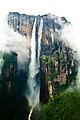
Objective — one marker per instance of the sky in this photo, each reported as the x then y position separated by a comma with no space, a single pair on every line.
68,8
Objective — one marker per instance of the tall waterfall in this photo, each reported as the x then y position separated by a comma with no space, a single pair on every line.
34,66
39,39
32,71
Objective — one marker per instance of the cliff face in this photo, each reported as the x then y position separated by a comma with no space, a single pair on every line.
8,72
57,64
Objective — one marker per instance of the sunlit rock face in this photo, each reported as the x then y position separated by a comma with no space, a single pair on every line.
57,63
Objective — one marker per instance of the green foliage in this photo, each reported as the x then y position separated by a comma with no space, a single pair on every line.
49,76
66,106
59,55
44,57
47,59
56,53
49,62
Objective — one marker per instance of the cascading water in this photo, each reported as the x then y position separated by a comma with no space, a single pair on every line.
39,39
29,118
34,66
32,70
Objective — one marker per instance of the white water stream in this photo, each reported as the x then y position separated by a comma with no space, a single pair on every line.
34,66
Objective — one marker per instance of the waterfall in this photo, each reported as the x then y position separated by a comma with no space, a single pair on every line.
32,97
34,66
39,39
52,35
30,113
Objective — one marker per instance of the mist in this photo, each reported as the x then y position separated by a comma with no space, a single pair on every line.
71,37
13,41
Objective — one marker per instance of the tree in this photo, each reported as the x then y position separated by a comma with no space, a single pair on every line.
66,106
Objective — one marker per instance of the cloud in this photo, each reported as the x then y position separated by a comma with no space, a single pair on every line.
71,35
13,41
